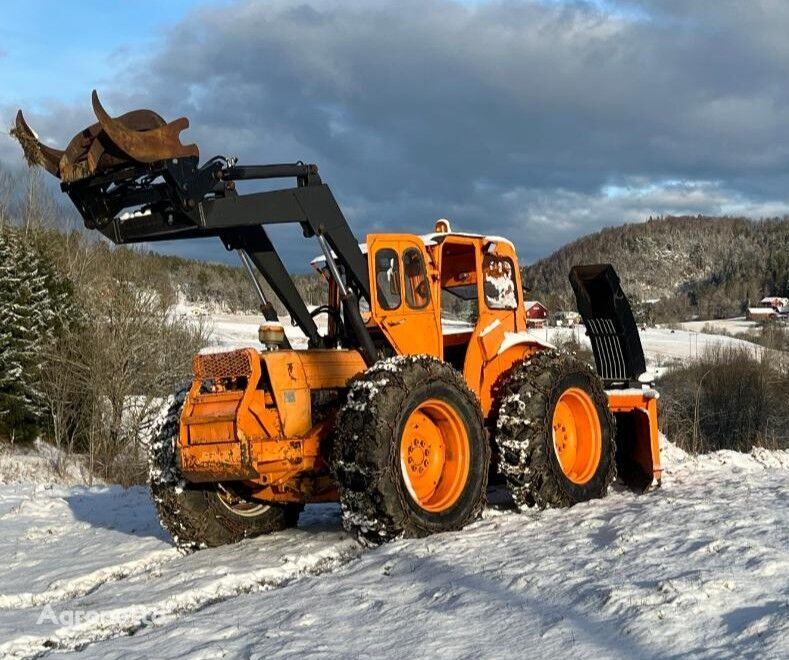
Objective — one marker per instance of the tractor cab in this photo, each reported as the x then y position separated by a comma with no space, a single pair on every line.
455,296
433,293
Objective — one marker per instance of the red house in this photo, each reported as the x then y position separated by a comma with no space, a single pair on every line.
761,313
536,313
776,302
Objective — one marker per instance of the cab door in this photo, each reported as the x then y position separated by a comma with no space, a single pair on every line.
403,304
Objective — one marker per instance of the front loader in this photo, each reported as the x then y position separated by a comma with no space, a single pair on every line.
422,381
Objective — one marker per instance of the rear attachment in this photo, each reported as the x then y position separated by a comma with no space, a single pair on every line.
609,324
619,358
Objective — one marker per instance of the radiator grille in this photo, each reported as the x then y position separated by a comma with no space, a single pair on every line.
223,365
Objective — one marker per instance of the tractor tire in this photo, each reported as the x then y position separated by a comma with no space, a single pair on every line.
555,435
411,455
204,515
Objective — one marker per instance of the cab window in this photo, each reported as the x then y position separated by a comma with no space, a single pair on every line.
499,282
387,278
417,290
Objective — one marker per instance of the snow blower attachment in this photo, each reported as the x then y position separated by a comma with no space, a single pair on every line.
620,362
421,374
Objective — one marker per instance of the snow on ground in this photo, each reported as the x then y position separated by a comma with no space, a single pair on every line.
662,346
231,331
732,326
41,463
699,568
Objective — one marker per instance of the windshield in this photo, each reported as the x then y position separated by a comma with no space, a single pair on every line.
460,303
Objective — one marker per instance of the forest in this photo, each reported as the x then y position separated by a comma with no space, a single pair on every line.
680,267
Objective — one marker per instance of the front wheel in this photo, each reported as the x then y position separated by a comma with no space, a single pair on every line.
411,456
555,433
205,515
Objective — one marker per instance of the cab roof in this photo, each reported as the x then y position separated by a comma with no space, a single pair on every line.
429,240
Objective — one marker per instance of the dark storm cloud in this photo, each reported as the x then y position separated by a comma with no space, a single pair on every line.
539,120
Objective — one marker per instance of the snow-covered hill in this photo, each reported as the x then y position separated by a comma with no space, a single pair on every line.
720,262
699,567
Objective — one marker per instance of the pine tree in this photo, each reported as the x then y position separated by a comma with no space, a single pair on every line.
32,302
11,350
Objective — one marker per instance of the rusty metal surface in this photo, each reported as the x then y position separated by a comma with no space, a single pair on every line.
223,365
145,145
36,152
139,136
92,150
218,462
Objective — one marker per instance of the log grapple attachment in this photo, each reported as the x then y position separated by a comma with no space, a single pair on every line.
112,144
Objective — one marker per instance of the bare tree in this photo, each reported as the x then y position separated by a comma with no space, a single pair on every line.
132,354
38,204
62,371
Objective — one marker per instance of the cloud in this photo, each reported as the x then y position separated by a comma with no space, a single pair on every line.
539,120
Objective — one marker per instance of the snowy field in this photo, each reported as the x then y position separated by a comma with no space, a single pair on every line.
699,568
696,568
662,346
733,326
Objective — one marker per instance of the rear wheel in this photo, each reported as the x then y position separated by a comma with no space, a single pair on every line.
411,457
205,515
555,433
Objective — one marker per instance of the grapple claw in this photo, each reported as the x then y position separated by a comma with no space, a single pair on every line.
109,145
145,145
36,152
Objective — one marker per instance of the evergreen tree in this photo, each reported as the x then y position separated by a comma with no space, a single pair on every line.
32,303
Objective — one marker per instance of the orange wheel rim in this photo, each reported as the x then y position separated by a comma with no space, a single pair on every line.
435,455
577,437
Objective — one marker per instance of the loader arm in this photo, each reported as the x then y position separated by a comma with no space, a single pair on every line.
131,179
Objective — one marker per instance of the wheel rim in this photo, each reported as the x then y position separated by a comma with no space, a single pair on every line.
239,505
577,435
435,455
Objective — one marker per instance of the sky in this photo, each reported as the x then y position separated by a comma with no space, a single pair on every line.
539,120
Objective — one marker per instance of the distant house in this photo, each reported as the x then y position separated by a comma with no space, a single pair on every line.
536,313
776,302
567,319
761,313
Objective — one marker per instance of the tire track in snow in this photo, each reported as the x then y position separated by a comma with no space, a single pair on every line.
128,619
82,585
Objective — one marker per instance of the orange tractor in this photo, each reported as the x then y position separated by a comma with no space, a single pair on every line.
422,382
